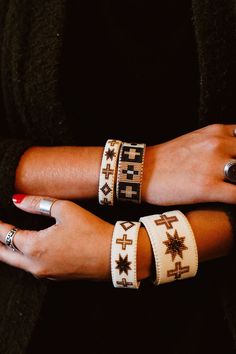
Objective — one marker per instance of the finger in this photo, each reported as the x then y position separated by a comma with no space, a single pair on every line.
230,129
22,239
228,147
220,146
15,259
39,205
225,193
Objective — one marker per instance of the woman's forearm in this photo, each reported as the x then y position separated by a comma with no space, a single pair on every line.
67,172
213,234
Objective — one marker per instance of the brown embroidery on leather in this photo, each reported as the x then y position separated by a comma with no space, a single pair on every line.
106,189
175,245
167,221
127,225
124,241
178,271
113,142
123,264
124,282
110,153
105,201
107,171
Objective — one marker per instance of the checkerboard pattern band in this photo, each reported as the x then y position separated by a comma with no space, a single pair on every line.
173,244
108,172
124,253
130,172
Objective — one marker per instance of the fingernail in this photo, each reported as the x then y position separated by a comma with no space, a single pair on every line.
17,198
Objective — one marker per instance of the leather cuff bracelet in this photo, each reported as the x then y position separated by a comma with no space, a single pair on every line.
130,172
173,245
124,253
108,172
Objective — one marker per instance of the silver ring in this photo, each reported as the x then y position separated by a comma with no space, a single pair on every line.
234,132
9,240
45,206
230,171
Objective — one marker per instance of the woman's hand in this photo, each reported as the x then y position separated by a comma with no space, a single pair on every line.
189,169
76,246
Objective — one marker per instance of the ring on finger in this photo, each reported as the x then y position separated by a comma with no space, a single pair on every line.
9,240
45,206
230,171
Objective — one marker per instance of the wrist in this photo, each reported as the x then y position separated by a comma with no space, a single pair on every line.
149,163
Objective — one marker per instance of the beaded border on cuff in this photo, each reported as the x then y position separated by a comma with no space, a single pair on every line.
108,172
124,254
173,244
130,172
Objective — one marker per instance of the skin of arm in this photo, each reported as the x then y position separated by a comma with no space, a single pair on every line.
67,172
72,172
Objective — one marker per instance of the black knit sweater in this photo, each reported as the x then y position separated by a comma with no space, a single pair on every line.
31,42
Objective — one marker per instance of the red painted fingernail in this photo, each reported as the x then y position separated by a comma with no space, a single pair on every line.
17,198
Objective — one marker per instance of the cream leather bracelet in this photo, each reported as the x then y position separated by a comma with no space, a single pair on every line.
124,253
108,172
173,244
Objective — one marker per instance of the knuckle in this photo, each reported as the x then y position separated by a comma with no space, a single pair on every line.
217,128
215,143
33,248
30,249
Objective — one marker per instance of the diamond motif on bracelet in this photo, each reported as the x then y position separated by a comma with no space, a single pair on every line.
106,189
127,225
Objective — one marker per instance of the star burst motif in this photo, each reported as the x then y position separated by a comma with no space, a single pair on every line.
175,245
123,264
110,153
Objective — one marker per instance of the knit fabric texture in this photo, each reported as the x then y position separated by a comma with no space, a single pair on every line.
30,47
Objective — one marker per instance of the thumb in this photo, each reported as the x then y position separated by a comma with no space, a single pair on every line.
36,204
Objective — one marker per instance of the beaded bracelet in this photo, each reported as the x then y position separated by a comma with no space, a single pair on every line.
108,172
124,253
173,244
130,172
